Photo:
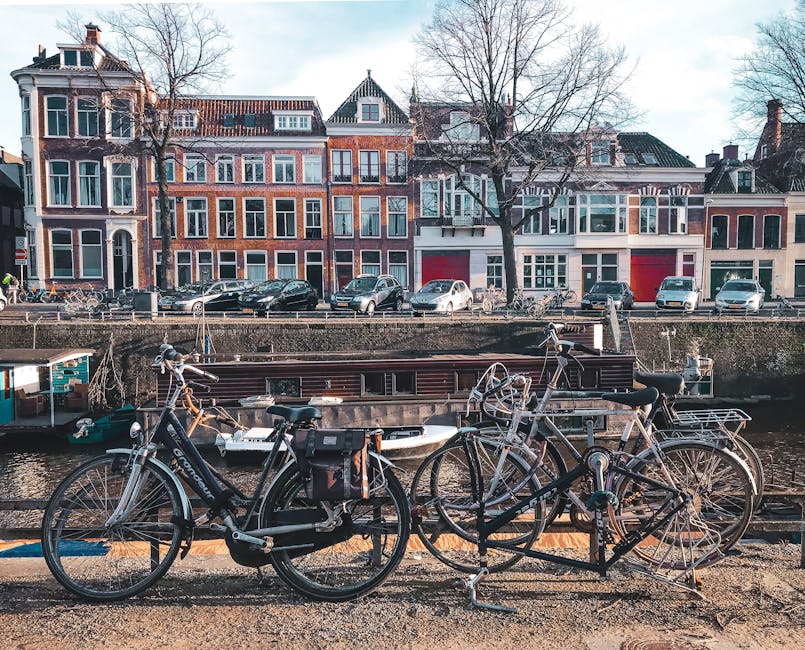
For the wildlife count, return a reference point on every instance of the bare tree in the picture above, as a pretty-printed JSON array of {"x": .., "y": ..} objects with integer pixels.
[{"x": 534, "y": 86}]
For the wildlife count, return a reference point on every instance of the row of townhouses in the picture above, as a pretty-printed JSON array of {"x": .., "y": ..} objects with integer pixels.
[{"x": 266, "y": 187}]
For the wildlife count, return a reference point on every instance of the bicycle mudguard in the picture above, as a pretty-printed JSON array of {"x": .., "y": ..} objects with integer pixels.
[{"x": 187, "y": 511}]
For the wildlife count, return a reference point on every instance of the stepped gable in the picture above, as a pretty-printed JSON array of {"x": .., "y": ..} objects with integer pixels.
[
  {"x": 347, "y": 112},
  {"x": 642, "y": 143}
]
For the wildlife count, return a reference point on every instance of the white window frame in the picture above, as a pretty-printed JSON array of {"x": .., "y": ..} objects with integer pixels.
[
  {"x": 726, "y": 234},
  {"x": 218, "y": 212},
  {"x": 111, "y": 183},
  {"x": 600, "y": 152},
  {"x": 201, "y": 218},
  {"x": 559, "y": 214},
  {"x": 170, "y": 170},
  {"x": 82, "y": 246},
  {"x": 285, "y": 222},
  {"x": 339, "y": 178},
  {"x": 126, "y": 134},
  {"x": 25, "y": 100},
  {"x": 738, "y": 232},
  {"x": 314, "y": 218},
  {"x": 96, "y": 180},
  {"x": 254, "y": 165},
  {"x": 391, "y": 265},
  {"x": 176, "y": 265},
  {"x": 379, "y": 216},
  {"x": 246, "y": 234},
  {"x": 280, "y": 268},
  {"x": 350, "y": 222},
  {"x": 225, "y": 163},
  {"x": 389, "y": 213},
  {"x": 284, "y": 162},
  {"x": 227, "y": 264},
  {"x": 154, "y": 230},
  {"x": 57, "y": 111},
  {"x": 292, "y": 121},
  {"x": 544, "y": 270},
  {"x": 30, "y": 196},
  {"x": 648, "y": 216},
  {"x": 33, "y": 271},
  {"x": 370, "y": 101},
  {"x": 584, "y": 208},
  {"x": 778, "y": 243},
  {"x": 184, "y": 120},
  {"x": 435, "y": 192},
  {"x": 312, "y": 164},
  {"x": 197, "y": 163},
  {"x": 69, "y": 247},
  {"x": 372, "y": 159},
  {"x": 199, "y": 264},
  {"x": 79, "y": 112},
  {"x": 682, "y": 217},
  {"x": 532, "y": 223},
  {"x": 51, "y": 176},
  {"x": 396, "y": 155},
  {"x": 247, "y": 265}
]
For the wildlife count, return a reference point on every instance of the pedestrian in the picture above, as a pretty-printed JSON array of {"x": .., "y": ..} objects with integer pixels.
[{"x": 12, "y": 288}]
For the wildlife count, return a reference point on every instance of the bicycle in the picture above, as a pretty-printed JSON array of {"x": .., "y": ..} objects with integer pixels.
[
  {"x": 492, "y": 297},
  {"x": 558, "y": 297},
  {"x": 115, "y": 525}
]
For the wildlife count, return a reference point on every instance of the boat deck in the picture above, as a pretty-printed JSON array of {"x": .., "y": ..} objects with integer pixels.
[{"x": 41, "y": 423}]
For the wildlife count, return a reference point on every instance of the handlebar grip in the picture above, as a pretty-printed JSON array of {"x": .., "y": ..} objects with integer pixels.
[
  {"x": 583, "y": 348},
  {"x": 203, "y": 387}
]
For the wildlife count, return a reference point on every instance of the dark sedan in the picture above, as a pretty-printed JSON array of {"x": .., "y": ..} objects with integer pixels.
[
  {"x": 279, "y": 295},
  {"x": 600, "y": 292}
]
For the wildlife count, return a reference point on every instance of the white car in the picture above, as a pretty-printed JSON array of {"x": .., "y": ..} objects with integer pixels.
[
  {"x": 678, "y": 292},
  {"x": 443, "y": 296},
  {"x": 740, "y": 294},
  {"x": 3, "y": 301}
]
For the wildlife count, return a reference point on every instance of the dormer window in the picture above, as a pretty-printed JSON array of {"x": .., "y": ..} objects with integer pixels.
[
  {"x": 461, "y": 128},
  {"x": 229, "y": 120},
  {"x": 77, "y": 58},
  {"x": 370, "y": 109},
  {"x": 744, "y": 183},
  {"x": 291, "y": 122},
  {"x": 599, "y": 153},
  {"x": 184, "y": 120},
  {"x": 630, "y": 159},
  {"x": 249, "y": 120},
  {"x": 764, "y": 151}
]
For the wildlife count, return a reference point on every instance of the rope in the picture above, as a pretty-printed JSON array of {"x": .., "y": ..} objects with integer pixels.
[{"x": 106, "y": 382}]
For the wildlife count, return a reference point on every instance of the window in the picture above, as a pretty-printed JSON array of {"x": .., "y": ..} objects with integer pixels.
[
  {"x": 429, "y": 201},
  {"x": 285, "y": 218},
  {"x": 342, "y": 165},
  {"x": 649, "y": 159},
  {"x": 89, "y": 184},
  {"x": 370, "y": 216},
  {"x": 397, "y": 213},
  {"x": 744, "y": 182},
  {"x": 59, "y": 182},
  {"x": 254, "y": 169},
  {"x": 91, "y": 254},
  {"x": 403, "y": 383},
  {"x": 558, "y": 216},
  {"x": 26, "y": 115},
  {"x": 718, "y": 232},
  {"x": 184, "y": 268},
  {"x": 157, "y": 265},
  {"x": 32, "y": 266},
  {"x": 342, "y": 216},
  {"x": 122, "y": 185},
  {"x": 313, "y": 219},
  {"x": 461, "y": 127},
  {"x": 373, "y": 383},
  {"x": 76, "y": 58},
  {"x": 648, "y": 215},
  {"x": 249, "y": 120},
  {"x": 286, "y": 265},
  {"x": 370, "y": 112},
  {"x": 599, "y": 153},
  {"x": 398, "y": 266},
  {"x": 255, "y": 216},
  {"x": 120, "y": 125},
  {"x": 195, "y": 169},
  {"x": 61, "y": 252},
  {"x": 225, "y": 169},
  {"x": 256, "y": 266},
  {"x": 630, "y": 159},
  {"x": 284, "y": 386},
  {"x": 29, "y": 182},
  {"x": 170, "y": 170},
  {"x": 292, "y": 122},
  {"x": 396, "y": 167},
  {"x": 204, "y": 266},
  {"x": 56, "y": 116},
  {"x": 678, "y": 215},
  {"x": 771, "y": 231},
  {"x": 799, "y": 229},
  {"x": 312, "y": 169},
  {"x": 492, "y": 198},
  {"x": 87, "y": 117},
  {"x": 544, "y": 271},
  {"x": 226, "y": 218},
  {"x": 184, "y": 120},
  {"x": 369, "y": 166},
  {"x": 229, "y": 120},
  {"x": 196, "y": 217},
  {"x": 227, "y": 265},
  {"x": 532, "y": 222},
  {"x": 746, "y": 231},
  {"x": 343, "y": 268},
  {"x": 284, "y": 171},
  {"x": 601, "y": 213},
  {"x": 461, "y": 205},
  {"x": 158, "y": 217},
  {"x": 370, "y": 262},
  {"x": 494, "y": 271}
]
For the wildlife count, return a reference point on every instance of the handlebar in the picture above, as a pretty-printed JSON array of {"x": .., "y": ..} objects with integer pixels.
[
  {"x": 562, "y": 346},
  {"x": 171, "y": 359}
]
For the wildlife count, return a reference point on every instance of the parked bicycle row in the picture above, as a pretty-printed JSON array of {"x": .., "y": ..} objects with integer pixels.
[{"x": 329, "y": 513}]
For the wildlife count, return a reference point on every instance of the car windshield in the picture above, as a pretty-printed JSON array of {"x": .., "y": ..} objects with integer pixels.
[
  {"x": 736, "y": 285},
  {"x": 271, "y": 286},
  {"x": 677, "y": 284},
  {"x": 436, "y": 287},
  {"x": 606, "y": 287},
  {"x": 195, "y": 287},
  {"x": 361, "y": 284}
]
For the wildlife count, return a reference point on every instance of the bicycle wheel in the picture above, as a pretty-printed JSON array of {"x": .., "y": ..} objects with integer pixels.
[
  {"x": 354, "y": 558},
  {"x": 570, "y": 296},
  {"x": 721, "y": 498},
  {"x": 537, "y": 309},
  {"x": 101, "y": 562},
  {"x": 486, "y": 306},
  {"x": 445, "y": 516}
]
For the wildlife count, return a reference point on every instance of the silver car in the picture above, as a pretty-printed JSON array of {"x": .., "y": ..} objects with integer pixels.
[
  {"x": 444, "y": 296},
  {"x": 678, "y": 292},
  {"x": 740, "y": 294}
]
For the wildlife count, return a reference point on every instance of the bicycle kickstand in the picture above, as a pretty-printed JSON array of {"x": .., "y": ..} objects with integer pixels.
[{"x": 469, "y": 586}]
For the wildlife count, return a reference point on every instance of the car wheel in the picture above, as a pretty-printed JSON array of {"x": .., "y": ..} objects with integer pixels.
[
  {"x": 311, "y": 306},
  {"x": 449, "y": 309},
  {"x": 370, "y": 308},
  {"x": 398, "y": 305},
  {"x": 197, "y": 309}
]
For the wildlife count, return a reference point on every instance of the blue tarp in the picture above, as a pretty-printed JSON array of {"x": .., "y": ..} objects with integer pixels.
[{"x": 68, "y": 549}]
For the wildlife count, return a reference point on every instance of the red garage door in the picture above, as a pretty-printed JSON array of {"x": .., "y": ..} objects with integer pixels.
[
  {"x": 448, "y": 265},
  {"x": 649, "y": 267}
]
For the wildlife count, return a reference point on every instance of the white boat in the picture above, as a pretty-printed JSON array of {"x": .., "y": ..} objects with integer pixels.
[{"x": 397, "y": 443}]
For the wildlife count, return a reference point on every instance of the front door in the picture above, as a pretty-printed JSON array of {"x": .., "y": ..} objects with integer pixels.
[
  {"x": 121, "y": 251},
  {"x": 6, "y": 396},
  {"x": 314, "y": 271},
  {"x": 799, "y": 279}
]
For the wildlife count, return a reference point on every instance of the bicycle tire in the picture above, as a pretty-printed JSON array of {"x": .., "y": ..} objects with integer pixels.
[
  {"x": 115, "y": 563},
  {"x": 445, "y": 519},
  {"x": 486, "y": 306},
  {"x": 720, "y": 487},
  {"x": 570, "y": 296},
  {"x": 372, "y": 539},
  {"x": 749, "y": 455},
  {"x": 537, "y": 310}
]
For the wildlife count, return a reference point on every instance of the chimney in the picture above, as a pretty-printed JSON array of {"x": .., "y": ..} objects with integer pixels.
[
  {"x": 774, "y": 123},
  {"x": 711, "y": 159},
  {"x": 93, "y": 34},
  {"x": 731, "y": 152}
]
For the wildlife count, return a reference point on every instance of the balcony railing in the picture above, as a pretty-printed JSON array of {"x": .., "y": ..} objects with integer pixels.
[{"x": 471, "y": 219}]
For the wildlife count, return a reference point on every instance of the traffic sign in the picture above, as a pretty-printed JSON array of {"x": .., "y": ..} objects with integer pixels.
[
  {"x": 21, "y": 242},
  {"x": 21, "y": 255}
]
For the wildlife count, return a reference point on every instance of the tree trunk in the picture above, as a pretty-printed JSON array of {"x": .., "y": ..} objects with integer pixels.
[
  {"x": 509, "y": 257},
  {"x": 165, "y": 280}
]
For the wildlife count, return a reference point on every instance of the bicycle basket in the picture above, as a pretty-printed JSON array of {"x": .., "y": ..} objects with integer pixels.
[{"x": 333, "y": 463}]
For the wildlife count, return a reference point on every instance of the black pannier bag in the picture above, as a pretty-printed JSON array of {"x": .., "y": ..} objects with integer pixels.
[{"x": 333, "y": 463}]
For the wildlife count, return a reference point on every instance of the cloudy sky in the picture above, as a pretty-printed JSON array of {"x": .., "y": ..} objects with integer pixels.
[{"x": 684, "y": 51}]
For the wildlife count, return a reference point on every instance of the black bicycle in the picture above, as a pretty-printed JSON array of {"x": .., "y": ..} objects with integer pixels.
[{"x": 115, "y": 525}]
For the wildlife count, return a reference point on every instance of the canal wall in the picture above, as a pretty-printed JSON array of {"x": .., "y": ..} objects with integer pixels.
[{"x": 751, "y": 357}]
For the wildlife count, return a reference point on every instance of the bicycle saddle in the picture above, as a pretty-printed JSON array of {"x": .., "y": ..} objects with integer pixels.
[
  {"x": 668, "y": 383},
  {"x": 633, "y": 398},
  {"x": 298, "y": 414}
]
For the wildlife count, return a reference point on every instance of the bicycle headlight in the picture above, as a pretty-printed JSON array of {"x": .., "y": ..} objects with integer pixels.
[{"x": 136, "y": 432}]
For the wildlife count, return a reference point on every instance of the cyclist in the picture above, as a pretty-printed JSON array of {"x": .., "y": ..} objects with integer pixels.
[{"x": 11, "y": 286}]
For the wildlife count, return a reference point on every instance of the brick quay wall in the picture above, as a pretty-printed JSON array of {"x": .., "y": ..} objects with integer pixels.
[{"x": 757, "y": 357}]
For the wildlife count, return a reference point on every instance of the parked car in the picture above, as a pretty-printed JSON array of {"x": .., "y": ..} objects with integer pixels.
[
  {"x": 217, "y": 295},
  {"x": 740, "y": 294},
  {"x": 3, "y": 300},
  {"x": 366, "y": 293},
  {"x": 678, "y": 292},
  {"x": 279, "y": 295},
  {"x": 600, "y": 292},
  {"x": 445, "y": 296}
]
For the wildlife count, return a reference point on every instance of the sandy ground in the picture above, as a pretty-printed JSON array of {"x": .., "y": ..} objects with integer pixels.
[{"x": 755, "y": 599}]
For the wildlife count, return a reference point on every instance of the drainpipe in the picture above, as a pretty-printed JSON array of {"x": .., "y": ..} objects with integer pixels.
[{"x": 328, "y": 242}]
